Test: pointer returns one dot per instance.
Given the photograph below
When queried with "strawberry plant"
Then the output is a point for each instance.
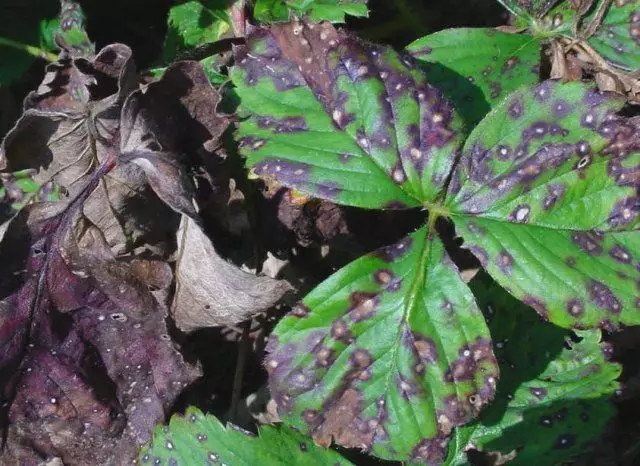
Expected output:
(425, 254)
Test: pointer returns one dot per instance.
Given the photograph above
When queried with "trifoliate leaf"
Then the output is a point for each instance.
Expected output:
(341, 119)
(618, 37)
(196, 438)
(317, 10)
(194, 23)
(388, 355)
(546, 196)
(478, 67)
(552, 399)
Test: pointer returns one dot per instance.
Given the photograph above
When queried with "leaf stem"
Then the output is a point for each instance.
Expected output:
(30, 49)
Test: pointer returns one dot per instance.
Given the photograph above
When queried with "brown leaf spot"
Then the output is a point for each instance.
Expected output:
(466, 366)
(407, 388)
(537, 305)
(588, 241)
(340, 423)
(325, 356)
(505, 262)
(383, 276)
(363, 305)
(300, 310)
(481, 254)
(555, 192)
(340, 331)
(625, 211)
(516, 109)
(520, 214)
(620, 254)
(431, 451)
(575, 307)
(395, 251)
(510, 63)
(603, 297)
(542, 92)
(539, 392)
(361, 358)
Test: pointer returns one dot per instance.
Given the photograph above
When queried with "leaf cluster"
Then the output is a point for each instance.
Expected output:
(479, 334)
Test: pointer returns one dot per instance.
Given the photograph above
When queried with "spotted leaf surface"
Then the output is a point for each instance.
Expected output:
(196, 438)
(340, 119)
(388, 355)
(546, 196)
(618, 37)
(551, 403)
(317, 10)
(477, 67)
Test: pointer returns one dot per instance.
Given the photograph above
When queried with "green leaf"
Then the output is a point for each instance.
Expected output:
(553, 396)
(22, 31)
(387, 355)
(477, 67)
(340, 119)
(618, 37)
(196, 438)
(545, 195)
(48, 28)
(194, 23)
(317, 10)
(209, 65)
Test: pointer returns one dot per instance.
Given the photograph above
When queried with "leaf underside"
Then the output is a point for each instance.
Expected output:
(546, 196)
(387, 355)
(317, 10)
(553, 396)
(343, 120)
(196, 438)
(477, 67)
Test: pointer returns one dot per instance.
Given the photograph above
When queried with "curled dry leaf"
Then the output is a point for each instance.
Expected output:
(68, 130)
(212, 292)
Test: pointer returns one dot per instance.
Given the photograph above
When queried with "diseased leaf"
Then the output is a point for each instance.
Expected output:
(552, 398)
(388, 355)
(343, 120)
(66, 134)
(546, 196)
(317, 10)
(618, 37)
(212, 292)
(196, 438)
(477, 67)
(73, 318)
(195, 23)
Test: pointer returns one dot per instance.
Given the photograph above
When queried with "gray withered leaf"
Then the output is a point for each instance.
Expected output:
(213, 292)
(176, 115)
(68, 129)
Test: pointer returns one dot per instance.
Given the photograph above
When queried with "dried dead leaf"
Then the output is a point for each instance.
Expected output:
(212, 292)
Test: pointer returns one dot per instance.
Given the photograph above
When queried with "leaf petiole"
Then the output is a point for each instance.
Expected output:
(30, 49)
